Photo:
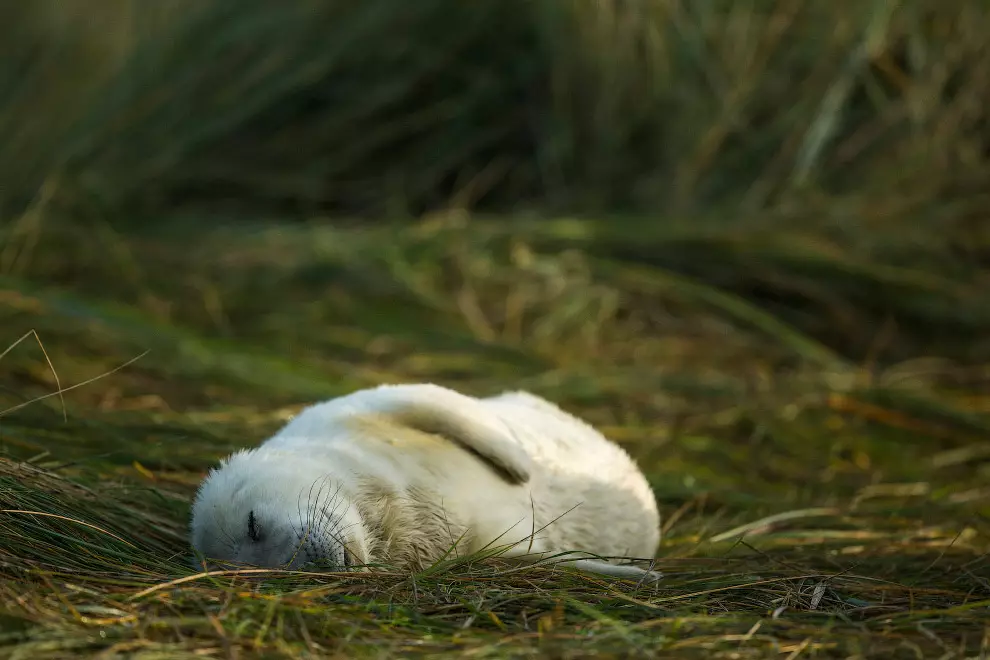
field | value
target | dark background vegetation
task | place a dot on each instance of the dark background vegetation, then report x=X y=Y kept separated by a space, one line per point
x=748 y=240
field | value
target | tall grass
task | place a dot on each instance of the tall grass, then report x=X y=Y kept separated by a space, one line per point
x=762 y=146
x=386 y=105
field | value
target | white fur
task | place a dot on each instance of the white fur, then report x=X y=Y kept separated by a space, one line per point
x=406 y=474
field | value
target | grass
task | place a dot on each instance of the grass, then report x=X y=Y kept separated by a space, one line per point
x=812 y=507
x=744 y=240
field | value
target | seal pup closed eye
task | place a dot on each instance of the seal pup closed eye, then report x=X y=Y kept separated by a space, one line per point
x=408 y=474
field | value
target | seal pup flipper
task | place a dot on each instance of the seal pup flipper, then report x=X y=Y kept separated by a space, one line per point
x=623 y=572
x=585 y=563
x=461 y=419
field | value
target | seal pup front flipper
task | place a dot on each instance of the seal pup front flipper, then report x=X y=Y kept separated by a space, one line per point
x=459 y=418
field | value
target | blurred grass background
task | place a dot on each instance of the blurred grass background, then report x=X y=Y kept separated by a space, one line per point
x=748 y=240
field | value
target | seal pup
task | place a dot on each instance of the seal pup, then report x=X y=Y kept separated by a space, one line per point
x=406 y=475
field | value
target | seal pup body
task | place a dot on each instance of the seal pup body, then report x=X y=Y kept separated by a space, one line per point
x=408 y=474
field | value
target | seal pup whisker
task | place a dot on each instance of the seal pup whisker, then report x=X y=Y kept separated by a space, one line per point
x=226 y=537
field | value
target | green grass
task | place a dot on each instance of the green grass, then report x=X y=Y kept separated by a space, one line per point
x=746 y=240
x=877 y=478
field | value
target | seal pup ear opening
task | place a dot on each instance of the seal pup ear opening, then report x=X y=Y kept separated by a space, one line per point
x=461 y=419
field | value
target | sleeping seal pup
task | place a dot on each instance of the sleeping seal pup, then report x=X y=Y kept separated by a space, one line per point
x=406 y=475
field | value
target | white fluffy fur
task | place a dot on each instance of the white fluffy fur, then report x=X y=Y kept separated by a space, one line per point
x=401 y=474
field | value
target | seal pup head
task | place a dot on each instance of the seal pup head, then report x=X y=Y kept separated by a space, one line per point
x=276 y=509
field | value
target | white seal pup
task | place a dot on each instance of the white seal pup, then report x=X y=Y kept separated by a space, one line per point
x=406 y=475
